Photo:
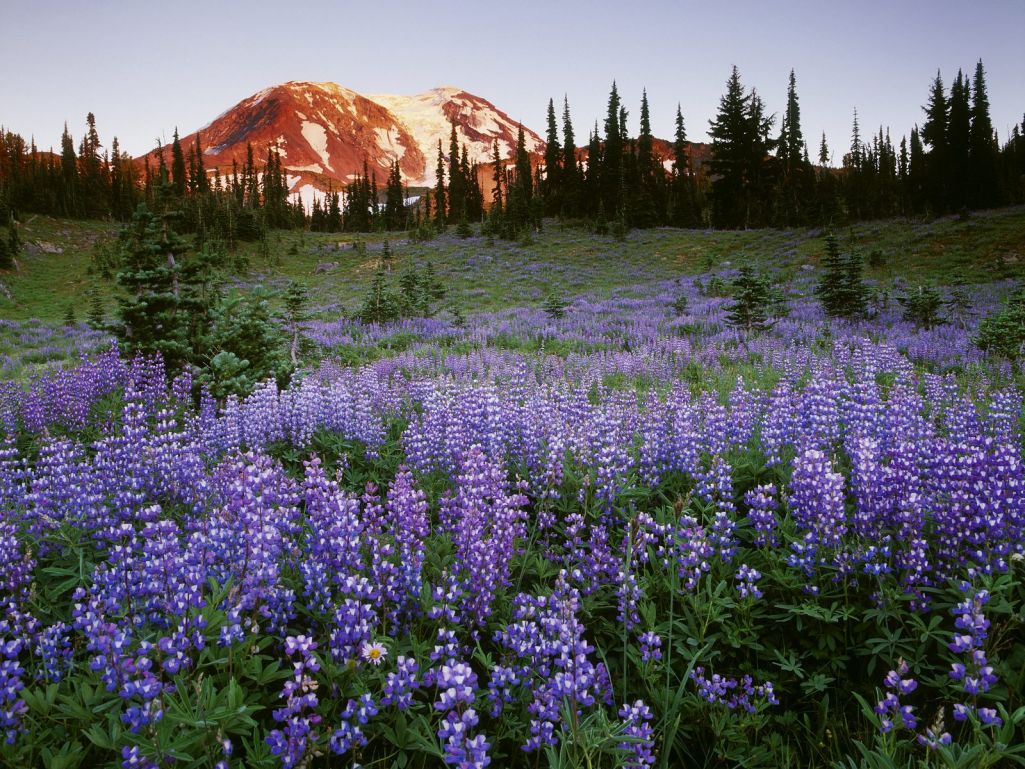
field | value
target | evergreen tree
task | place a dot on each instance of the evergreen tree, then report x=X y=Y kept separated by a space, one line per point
x=753 y=308
x=497 y=176
x=297 y=297
x=456 y=181
x=934 y=134
x=739 y=154
x=790 y=148
x=97 y=313
x=394 y=206
x=984 y=187
x=412 y=293
x=570 y=175
x=957 y=142
x=246 y=346
x=917 y=173
x=69 y=176
x=791 y=151
x=683 y=205
x=518 y=212
x=199 y=177
x=648 y=198
x=179 y=178
x=381 y=305
x=922 y=307
x=555 y=305
x=855 y=173
x=841 y=289
x=94 y=181
x=610 y=171
x=440 y=206
x=10 y=245
x=1003 y=332
x=151 y=314
x=551 y=185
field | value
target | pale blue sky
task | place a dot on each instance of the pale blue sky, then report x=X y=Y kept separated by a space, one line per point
x=144 y=67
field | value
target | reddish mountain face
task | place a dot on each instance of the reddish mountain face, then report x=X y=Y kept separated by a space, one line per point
x=324 y=133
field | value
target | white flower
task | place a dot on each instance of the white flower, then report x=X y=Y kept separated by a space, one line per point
x=373 y=652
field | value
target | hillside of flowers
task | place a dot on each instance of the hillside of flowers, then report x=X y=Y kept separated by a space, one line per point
x=633 y=536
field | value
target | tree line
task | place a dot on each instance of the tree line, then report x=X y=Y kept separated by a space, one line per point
x=752 y=175
x=757 y=176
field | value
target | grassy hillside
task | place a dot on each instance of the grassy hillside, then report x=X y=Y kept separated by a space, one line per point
x=57 y=271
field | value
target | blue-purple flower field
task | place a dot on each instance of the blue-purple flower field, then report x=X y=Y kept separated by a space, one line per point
x=631 y=536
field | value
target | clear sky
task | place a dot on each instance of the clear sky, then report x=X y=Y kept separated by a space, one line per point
x=145 y=67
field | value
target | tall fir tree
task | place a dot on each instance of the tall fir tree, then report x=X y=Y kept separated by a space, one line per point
x=648 y=199
x=958 y=130
x=934 y=134
x=179 y=177
x=69 y=176
x=200 y=180
x=153 y=320
x=456 y=180
x=551 y=185
x=519 y=210
x=94 y=181
x=440 y=199
x=730 y=154
x=794 y=172
x=394 y=205
x=610 y=171
x=984 y=185
x=570 y=174
x=497 y=178
x=683 y=209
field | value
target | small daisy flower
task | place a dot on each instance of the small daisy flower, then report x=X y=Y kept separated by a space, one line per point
x=374 y=653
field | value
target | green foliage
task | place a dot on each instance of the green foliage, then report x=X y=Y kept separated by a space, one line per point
x=424 y=232
x=555 y=305
x=754 y=305
x=297 y=298
x=923 y=307
x=106 y=258
x=740 y=157
x=1003 y=332
x=841 y=289
x=10 y=246
x=163 y=291
x=97 y=313
x=381 y=304
x=245 y=346
x=680 y=305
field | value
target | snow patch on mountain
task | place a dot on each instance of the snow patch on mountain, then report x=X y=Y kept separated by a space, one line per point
x=316 y=137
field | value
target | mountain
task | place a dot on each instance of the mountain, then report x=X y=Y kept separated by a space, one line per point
x=325 y=132
x=429 y=117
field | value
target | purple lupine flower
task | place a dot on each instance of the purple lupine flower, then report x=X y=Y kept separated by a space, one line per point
x=636 y=717
x=651 y=646
x=892 y=713
x=746 y=579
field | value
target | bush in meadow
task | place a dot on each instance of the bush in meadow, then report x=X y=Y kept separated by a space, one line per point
x=754 y=306
x=245 y=345
x=841 y=289
x=1003 y=332
x=923 y=307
